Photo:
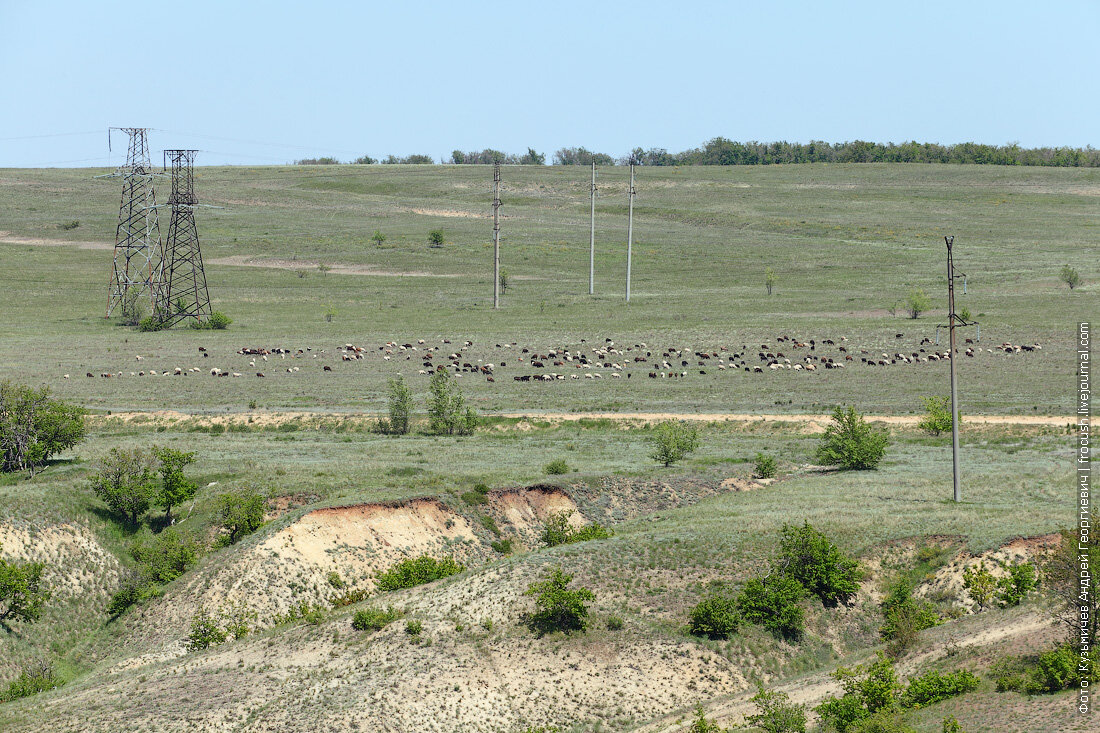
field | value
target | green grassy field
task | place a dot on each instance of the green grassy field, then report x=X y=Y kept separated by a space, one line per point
x=845 y=242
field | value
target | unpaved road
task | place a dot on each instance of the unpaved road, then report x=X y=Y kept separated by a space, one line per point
x=814 y=422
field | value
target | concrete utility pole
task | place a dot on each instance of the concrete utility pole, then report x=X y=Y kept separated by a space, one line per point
x=630 y=233
x=496 y=235
x=954 y=392
x=592 y=245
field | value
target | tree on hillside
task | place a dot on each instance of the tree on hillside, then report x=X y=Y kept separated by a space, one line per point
x=34 y=427
x=850 y=443
x=400 y=406
x=240 y=513
x=558 y=608
x=175 y=488
x=126 y=482
x=672 y=440
x=533 y=158
x=821 y=567
x=917 y=302
x=22 y=593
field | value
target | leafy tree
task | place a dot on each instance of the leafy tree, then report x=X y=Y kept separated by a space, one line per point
x=672 y=440
x=764 y=466
x=417 y=571
x=558 y=608
x=769 y=279
x=533 y=158
x=1070 y=276
x=205 y=631
x=400 y=405
x=447 y=410
x=809 y=557
x=240 y=513
x=504 y=282
x=868 y=690
x=980 y=585
x=34 y=427
x=435 y=238
x=937 y=415
x=175 y=487
x=774 y=602
x=365 y=160
x=715 y=617
x=22 y=593
x=905 y=617
x=917 y=302
x=775 y=713
x=850 y=443
x=126 y=482
x=378 y=237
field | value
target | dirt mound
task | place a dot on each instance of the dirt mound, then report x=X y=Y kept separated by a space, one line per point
x=525 y=510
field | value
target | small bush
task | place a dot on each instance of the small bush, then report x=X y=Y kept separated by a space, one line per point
x=474 y=498
x=700 y=724
x=716 y=617
x=850 y=443
x=166 y=556
x=764 y=466
x=774 y=603
x=558 y=531
x=205 y=632
x=980 y=585
x=417 y=571
x=31 y=681
x=614 y=623
x=775 y=713
x=333 y=578
x=435 y=238
x=70 y=225
x=1013 y=589
x=934 y=686
x=219 y=321
x=937 y=415
x=672 y=440
x=1069 y=276
x=556 y=467
x=413 y=628
x=504 y=547
x=904 y=617
x=22 y=592
x=917 y=302
x=558 y=608
x=374 y=619
x=868 y=690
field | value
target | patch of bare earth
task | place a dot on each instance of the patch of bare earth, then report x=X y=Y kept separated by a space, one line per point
x=522 y=512
x=9 y=238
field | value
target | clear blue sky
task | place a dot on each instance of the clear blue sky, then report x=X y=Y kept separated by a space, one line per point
x=247 y=82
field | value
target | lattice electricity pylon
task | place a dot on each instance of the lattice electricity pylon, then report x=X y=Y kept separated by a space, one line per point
x=183 y=293
x=138 y=256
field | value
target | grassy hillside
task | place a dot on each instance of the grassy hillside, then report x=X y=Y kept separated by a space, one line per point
x=846 y=243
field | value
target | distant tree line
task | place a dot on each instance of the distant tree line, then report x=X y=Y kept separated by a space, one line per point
x=720 y=151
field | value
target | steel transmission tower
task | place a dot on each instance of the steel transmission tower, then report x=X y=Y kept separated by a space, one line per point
x=138 y=256
x=183 y=293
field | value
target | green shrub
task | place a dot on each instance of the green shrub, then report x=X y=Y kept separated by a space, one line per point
x=904 y=617
x=413 y=628
x=152 y=323
x=219 y=321
x=1056 y=670
x=205 y=631
x=557 y=607
x=937 y=415
x=775 y=713
x=240 y=513
x=129 y=593
x=31 y=681
x=980 y=585
x=917 y=302
x=447 y=410
x=435 y=238
x=1069 y=276
x=175 y=488
x=850 y=443
x=868 y=690
x=34 y=427
x=701 y=725
x=333 y=578
x=774 y=603
x=166 y=556
x=556 y=467
x=715 y=617
x=672 y=440
x=614 y=623
x=417 y=571
x=400 y=407
x=22 y=593
x=489 y=523
x=558 y=531
x=504 y=547
x=474 y=498
x=934 y=686
x=348 y=598
x=823 y=570
x=374 y=619
x=1013 y=589
x=764 y=466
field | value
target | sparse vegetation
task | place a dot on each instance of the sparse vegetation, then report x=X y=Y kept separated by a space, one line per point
x=557 y=530
x=775 y=713
x=850 y=443
x=937 y=415
x=672 y=440
x=32 y=680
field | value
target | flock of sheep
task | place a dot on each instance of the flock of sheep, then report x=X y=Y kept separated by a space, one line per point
x=584 y=361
